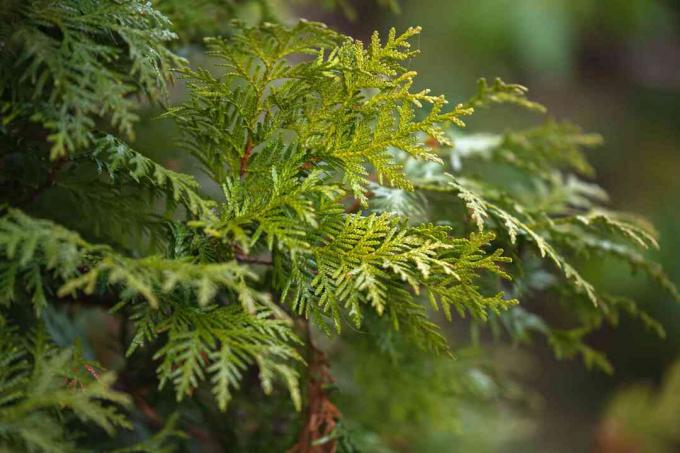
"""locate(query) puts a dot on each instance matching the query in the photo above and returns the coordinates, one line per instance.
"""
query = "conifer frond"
(613, 223)
(411, 205)
(42, 387)
(80, 61)
(541, 150)
(560, 214)
(29, 246)
(34, 250)
(596, 231)
(481, 209)
(380, 262)
(346, 103)
(350, 107)
(569, 343)
(212, 17)
(117, 159)
(502, 93)
(604, 247)
(552, 146)
(218, 344)
(622, 304)
(563, 217)
(201, 338)
(281, 203)
(344, 198)
(154, 278)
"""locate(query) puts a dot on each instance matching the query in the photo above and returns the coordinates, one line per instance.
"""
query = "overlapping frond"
(36, 250)
(502, 93)
(118, 160)
(380, 262)
(343, 202)
(199, 337)
(345, 103)
(42, 387)
(281, 202)
(552, 210)
(218, 344)
(80, 61)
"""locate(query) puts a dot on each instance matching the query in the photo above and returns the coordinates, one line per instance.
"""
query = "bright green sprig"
(377, 261)
(346, 103)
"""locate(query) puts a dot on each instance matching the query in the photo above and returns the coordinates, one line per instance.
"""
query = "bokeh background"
(613, 67)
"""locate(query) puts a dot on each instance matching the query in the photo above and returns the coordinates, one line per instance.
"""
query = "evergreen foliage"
(64, 65)
(331, 166)
(43, 388)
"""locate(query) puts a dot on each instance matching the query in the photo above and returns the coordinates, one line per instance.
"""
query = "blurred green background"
(613, 67)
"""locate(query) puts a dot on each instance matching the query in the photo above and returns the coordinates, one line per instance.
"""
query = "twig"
(241, 257)
(356, 204)
(90, 369)
(321, 415)
(245, 158)
(253, 260)
(354, 207)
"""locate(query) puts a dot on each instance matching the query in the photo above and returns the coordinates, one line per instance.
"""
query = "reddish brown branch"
(354, 207)
(253, 260)
(321, 415)
(90, 369)
(242, 257)
(245, 158)
(356, 204)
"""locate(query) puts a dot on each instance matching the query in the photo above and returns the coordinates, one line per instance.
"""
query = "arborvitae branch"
(320, 415)
(333, 171)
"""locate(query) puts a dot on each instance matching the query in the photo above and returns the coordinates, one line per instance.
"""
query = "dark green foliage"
(64, 65)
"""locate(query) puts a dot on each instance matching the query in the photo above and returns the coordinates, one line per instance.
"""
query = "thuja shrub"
(348, 202)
